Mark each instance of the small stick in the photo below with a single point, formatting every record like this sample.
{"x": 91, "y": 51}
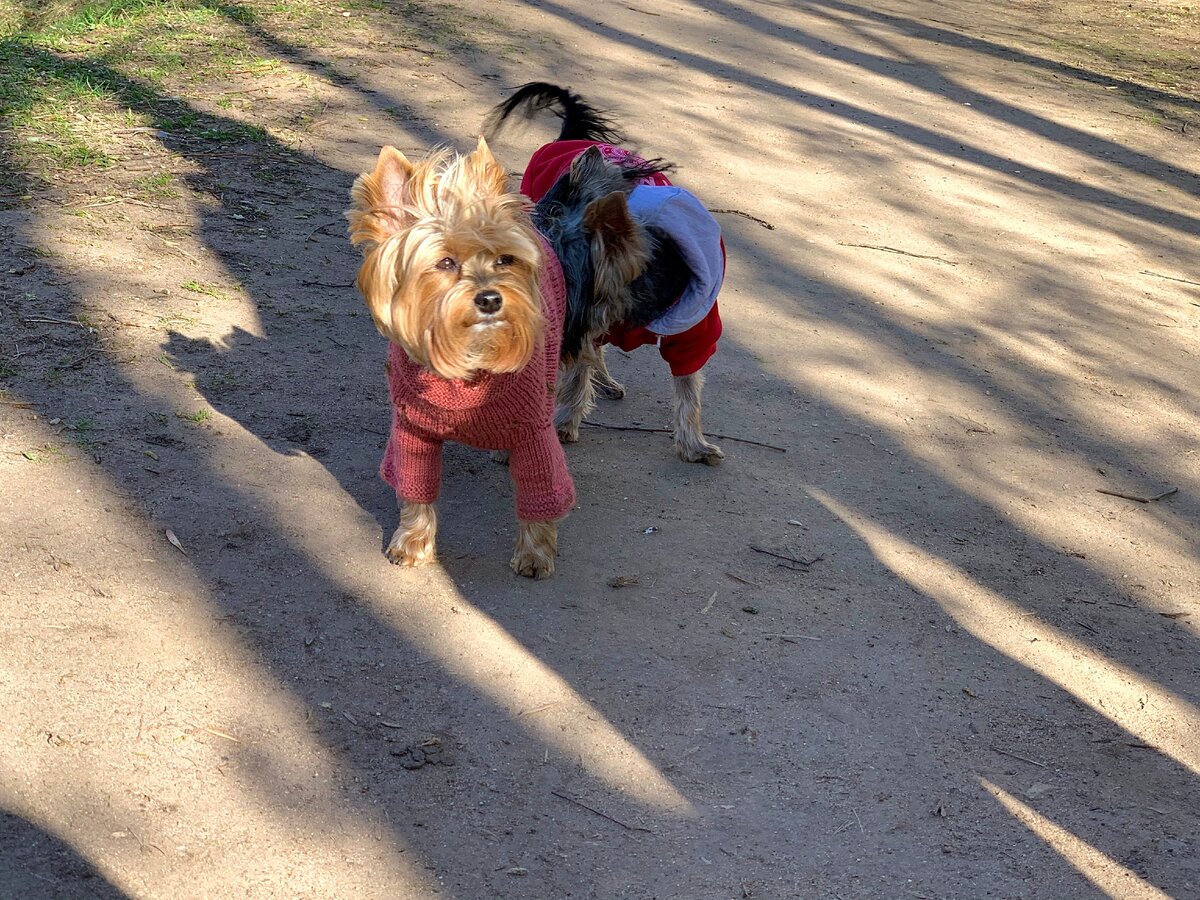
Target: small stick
{"x": 327, "y": 284}
{"x": 537, "y": 709}
{"x": 742, "y": 580}
{"x": 312, "y": 234}
{"x": 894, "y": 250}
{"x": 592, "y": 809}
{"x": 1168, "y": 277}
{"x": 724, "y": 437}
{"x": 1173, "y": 490}
{"x": 791, "y": 559}
{"x": 1032, "y": 762}
{"x": 791, "y": 637}
{"x": 45, "y": 321}
{"x": 1085, "y": 625}
{"x": 228, "y": 737}
{"x": 737, "y": 212}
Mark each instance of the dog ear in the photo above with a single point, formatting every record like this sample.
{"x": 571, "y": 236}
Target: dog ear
{"x": 619, "y": 251}
{"x": 485, "y": 171}
{"x": 378, "y": 199}
{"x": 588, "y": 165}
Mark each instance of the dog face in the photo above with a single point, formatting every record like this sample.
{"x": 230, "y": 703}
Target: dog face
{"x": 450, "y": 261}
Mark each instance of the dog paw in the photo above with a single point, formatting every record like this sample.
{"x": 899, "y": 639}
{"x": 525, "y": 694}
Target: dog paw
{"x": 532, "y": 564}
{"x": 408, "y": 550}
{"x": 568, "y": 435}
{"x": 610, "y": 390}
{"x": 706, "y": 453}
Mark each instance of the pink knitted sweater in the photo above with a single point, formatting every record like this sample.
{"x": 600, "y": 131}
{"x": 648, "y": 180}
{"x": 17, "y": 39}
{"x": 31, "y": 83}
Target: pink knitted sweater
{"x": 513, "y": 412}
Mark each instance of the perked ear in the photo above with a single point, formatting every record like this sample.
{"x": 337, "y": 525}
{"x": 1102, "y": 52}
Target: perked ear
{"x": 619, "y": 252}
{"x": 485, "y": 171}
{"x": 378, "y": 199}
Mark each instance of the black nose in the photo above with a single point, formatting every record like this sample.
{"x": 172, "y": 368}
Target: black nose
{"x": 488, "y": 301}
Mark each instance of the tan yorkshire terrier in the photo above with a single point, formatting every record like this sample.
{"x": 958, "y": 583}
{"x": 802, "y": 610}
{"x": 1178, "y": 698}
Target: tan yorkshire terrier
{"x": 472, "y": 301}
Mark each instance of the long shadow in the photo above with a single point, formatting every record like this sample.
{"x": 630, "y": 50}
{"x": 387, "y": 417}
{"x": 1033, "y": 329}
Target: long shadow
{"x": 37, "y": 864}
{"x": 921, "y": 75}
{"x": 768, "y": 719}
{"x": 948, "y": 146}
{"x": 933, "y": 34}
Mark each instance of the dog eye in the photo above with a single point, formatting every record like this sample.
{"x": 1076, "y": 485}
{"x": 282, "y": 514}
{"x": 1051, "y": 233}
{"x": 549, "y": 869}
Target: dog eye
{"x": 446, "y": 263}
{"x": 505, "y": 260}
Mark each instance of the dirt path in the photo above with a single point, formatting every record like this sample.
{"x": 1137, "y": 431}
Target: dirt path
{"x": 973, "y": 324}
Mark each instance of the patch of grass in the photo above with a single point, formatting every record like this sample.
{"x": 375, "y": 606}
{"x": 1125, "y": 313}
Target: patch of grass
{"x": 159, "y": 185}
{"x": 8, "y": 370}
{"x": 202, "y": 287}
{"x": 47, "y": 453}
{"x": 201, "y": 415}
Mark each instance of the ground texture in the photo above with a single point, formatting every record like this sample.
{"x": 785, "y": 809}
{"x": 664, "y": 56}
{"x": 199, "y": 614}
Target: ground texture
{"x": 963, "y": 303}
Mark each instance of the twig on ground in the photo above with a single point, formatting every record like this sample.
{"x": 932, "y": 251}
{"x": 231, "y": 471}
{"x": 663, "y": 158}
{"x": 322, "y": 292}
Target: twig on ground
{"x": 791, "y": 638}
{"x": 786, "y": 558}
{"x": 886, "y": 249}
{"x": 312, "y": 234}
{"x": 44, "y": 321}
{"x": 742, "y": 580}
{"x": 338, "y": 284}
{"x": 737, "y": 212}
{"x": 1168, "y": 277}
{"x": 1136, "y": 499}
{"x": 592, "y": 809}
{"x": 724, "y": 437}
{"x": 1032, "y": 762}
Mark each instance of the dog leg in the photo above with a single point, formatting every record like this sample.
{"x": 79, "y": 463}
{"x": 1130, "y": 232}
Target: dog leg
{"x": 413, "y": 542}
{"x": 606, "y": 386}
{"x": 576, "y": 397}
{"x": 690, "y": 444}
{"x": 537, "y": 544}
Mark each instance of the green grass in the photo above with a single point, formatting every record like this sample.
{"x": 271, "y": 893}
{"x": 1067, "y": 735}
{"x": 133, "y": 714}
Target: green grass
{"x": 200, "y": 415}
{"x": 75, "y": 75}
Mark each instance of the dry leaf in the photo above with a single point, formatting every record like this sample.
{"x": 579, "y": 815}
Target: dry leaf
{"x": 175, "y": 542}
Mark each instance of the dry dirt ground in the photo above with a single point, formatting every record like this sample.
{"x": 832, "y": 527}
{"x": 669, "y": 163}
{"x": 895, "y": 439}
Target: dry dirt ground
{"x": 977, "y": 308}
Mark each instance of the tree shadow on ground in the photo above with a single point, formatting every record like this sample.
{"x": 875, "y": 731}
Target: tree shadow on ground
{"x": 704, "y": 716}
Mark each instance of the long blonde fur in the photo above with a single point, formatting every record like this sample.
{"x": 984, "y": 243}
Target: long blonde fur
{"x": 406, "y": 217}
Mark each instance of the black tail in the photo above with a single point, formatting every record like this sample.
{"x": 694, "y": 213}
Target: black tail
{"x": 581, "y": 122}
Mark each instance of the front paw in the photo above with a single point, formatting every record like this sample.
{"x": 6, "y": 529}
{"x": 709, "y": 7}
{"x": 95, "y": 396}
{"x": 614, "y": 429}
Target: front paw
{"x": 532, "y": 565}
{"x": 568, "y": 434}
{"x": 410, "y": 548}
{"x": 706, "y": 453}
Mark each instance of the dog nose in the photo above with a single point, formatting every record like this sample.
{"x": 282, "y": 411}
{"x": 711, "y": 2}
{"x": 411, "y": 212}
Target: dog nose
{"x": 488, "y": 301}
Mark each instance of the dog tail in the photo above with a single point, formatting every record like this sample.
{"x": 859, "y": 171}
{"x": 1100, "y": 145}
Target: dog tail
{"x": 581, "y": 122}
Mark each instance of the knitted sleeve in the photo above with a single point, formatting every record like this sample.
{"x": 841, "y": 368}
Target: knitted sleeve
{"x": 412, "y": 463}
{"x": 545, "y": 491}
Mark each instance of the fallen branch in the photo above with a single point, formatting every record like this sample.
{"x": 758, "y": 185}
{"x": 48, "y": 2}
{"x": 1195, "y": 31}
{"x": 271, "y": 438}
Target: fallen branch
{"x": 901, "y": 252}
{"x": 1136, "y": 499}
{"x": 724, "y": 437}
{"x": 737, "y": 212}
{"x": 592, "y": 809}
